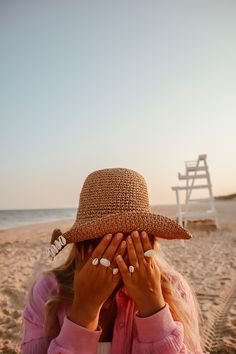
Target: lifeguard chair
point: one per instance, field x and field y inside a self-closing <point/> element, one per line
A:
<point x="195" y="171"/>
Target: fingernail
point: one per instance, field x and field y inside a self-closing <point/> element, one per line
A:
<point x="119" y="236"/>
<point x="135" y="234"/>
<point x="123" y="244"/>
<point x="129" y="239"/>
<point x="119" y="257"/>
<point x="109" y="236"/>
<point x="144" y="234"/>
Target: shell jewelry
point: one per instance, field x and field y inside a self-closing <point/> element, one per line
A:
<point x="149" y="253"/>
<point x="95" y="261"/>
<point x="115" y="271"/>
<point x="62" y="240"/>
<point x="105" y="262"/>
<point x="131" y="269"/>
<point x="56" y="246"/>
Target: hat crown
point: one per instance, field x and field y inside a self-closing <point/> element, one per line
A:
<point x="111" y="191"/>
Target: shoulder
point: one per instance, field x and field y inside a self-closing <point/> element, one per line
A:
<point x="45" y="282"/>
<point x="45" y="285"/>
<point x="180" y="284"/>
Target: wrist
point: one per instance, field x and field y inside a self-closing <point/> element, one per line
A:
<point x="84" y="316"/>
<point x="84" y="320"/>
<point x="150" y="307"/>
<point x="82" y="306"/>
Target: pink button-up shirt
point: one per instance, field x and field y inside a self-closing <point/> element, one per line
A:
<point x="156" y="334"/>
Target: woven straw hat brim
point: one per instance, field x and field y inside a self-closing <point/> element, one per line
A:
<point x="126" y="222"/>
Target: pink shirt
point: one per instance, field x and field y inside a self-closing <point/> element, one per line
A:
<point x="104" y="348"/>
<point x="156" y="334"/>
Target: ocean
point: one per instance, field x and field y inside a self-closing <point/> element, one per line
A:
<point x="15" y="218"/>
<point x="21" y="217"/>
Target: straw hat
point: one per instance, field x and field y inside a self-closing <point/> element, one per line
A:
<point x="115" y="200"/>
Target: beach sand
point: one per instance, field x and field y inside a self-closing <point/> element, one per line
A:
<point x="208" y="262"/>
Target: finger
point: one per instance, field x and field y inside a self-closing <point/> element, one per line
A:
<point x="146" y="244"/>
<point x="121" y="250"/>
<point x="131" y="252"/>
<point x="126" y="257"/>
<point x="122" y="267"/>
<point x="101" y="247"/>
<point x="145" y="241"/>
<point x="113" y="246"/>
<point x="137" y="245"/>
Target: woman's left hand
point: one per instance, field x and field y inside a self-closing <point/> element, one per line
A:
<point x="144" y="284"/>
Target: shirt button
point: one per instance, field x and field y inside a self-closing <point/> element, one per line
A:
<point x="121" y="324"/>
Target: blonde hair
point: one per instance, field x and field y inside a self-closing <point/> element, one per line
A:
<point x="181" y="310"/>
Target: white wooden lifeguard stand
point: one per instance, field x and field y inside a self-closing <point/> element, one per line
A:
<point x="195" y="170"/>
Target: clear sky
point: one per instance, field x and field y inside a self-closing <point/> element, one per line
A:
<point x="94" y="84"/>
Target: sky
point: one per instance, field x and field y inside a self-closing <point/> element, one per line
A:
<point x="87" y="85"/>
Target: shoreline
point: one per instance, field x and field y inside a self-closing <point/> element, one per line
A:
<point x="169" y="210"/>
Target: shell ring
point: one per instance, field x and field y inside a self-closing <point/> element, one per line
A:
<point x="106" y="263"/>
<point x="149" y="253"/>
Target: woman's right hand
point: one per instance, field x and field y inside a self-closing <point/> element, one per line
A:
<point x="93" y="284"/>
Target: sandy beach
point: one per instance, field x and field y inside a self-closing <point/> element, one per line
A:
<point x="208" y="262"/>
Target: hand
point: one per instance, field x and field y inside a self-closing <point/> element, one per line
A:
<point x="94" y="284"/>
<point x="144" y="284"/>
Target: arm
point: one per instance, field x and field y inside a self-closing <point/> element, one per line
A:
<point x="79" y="333"/>
<point x="72" y="338"/>
<point x="159" y="333"/>
<point x="75" y="339"/>
<point x="66" y="342"/>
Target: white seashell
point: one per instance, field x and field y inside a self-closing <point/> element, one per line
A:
<point x="54" y="248"/>
<point x="149" y="253"/>
<point x="62" y="240"/>
<point x="105" y="262"/>
<point x="131" y="269"/>
<point x="58" y="244"/>
<point x="95" y="261"/>
<point x="51" y="252"/>
<point x="115" y="271"/>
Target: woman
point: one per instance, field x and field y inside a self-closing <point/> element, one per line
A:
<point x="115" y="293"/>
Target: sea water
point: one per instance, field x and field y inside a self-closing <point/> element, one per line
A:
<point x="15" y="218"/>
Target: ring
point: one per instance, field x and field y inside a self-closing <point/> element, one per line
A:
<point x="115" y="271"/>
<point x="105" y="262"/>
<point x="131" y="269"/>
<point x="95" y="261"/>
<point x="149" y="253"/>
